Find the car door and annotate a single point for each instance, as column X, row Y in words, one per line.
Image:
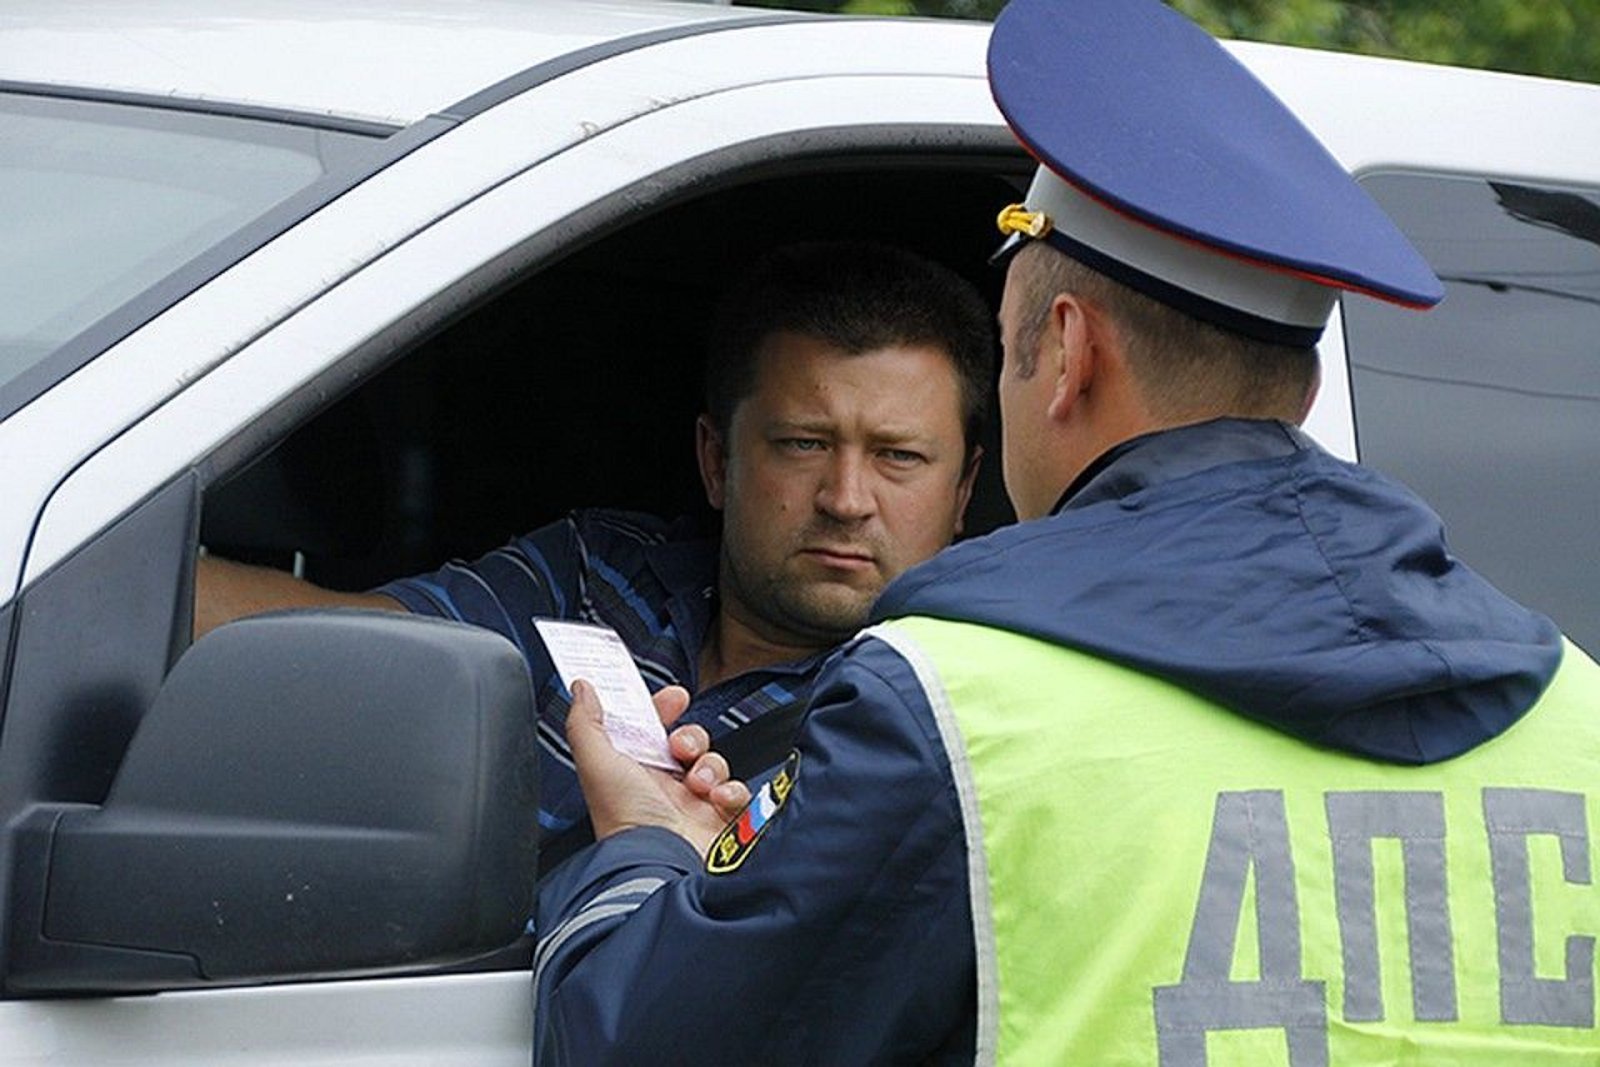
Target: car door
column 235, row 367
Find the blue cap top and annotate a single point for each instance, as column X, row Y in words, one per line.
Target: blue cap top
column 1179, row 173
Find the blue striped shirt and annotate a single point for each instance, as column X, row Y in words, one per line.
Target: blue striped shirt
column 652, row 581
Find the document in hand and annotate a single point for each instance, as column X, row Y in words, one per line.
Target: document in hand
column 598, row 656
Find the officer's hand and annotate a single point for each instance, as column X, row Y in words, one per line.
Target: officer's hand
column 622, row 794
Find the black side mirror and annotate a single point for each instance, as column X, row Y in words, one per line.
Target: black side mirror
column 312, row 794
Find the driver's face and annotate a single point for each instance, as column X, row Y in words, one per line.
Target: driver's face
column 839, row 472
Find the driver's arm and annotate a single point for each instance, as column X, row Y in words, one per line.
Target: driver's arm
column 225, row 590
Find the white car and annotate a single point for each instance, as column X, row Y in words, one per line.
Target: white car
column 353, row 288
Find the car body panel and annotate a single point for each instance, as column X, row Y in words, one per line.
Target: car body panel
column 466, row 1020
column 314, row 58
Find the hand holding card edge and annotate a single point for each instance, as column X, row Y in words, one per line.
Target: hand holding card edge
column 623, row 794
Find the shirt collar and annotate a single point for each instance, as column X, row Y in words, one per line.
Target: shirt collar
column 686, row 561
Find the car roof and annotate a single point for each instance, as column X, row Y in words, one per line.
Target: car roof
column 369, row 60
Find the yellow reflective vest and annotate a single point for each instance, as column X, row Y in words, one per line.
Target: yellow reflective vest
column 1156, row 880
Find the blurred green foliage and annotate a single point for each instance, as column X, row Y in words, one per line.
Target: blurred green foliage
column 1557, row 38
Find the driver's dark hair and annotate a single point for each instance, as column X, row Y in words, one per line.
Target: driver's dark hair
column 857, row 297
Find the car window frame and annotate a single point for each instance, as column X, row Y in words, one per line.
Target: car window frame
column 390, row 144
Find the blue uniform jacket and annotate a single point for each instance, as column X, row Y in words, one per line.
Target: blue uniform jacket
column 1234, row 557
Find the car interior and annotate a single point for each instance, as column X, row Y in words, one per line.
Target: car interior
column 578, row 383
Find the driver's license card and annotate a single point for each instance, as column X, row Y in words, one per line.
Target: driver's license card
column 597, row 655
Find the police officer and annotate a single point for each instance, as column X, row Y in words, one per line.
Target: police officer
column 1218, row 757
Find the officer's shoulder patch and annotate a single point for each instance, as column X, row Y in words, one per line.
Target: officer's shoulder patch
column 739, row 837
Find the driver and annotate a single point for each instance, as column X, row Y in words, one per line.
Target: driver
column 845, row 395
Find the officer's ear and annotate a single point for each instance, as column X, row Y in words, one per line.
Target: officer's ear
column 1093, row 356
column 1069, row 356
column 712, row 455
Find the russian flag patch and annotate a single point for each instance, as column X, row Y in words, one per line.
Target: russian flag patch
column 737, row 839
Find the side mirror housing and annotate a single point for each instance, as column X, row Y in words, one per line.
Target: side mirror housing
column 312, row 794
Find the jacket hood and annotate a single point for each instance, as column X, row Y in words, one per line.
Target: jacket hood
column 1239, row 560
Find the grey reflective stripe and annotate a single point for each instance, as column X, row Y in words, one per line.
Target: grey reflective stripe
column 1417, row 819
column 601, row 907
column 1248, row 831
column 1512, row 815
column 977, row 869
